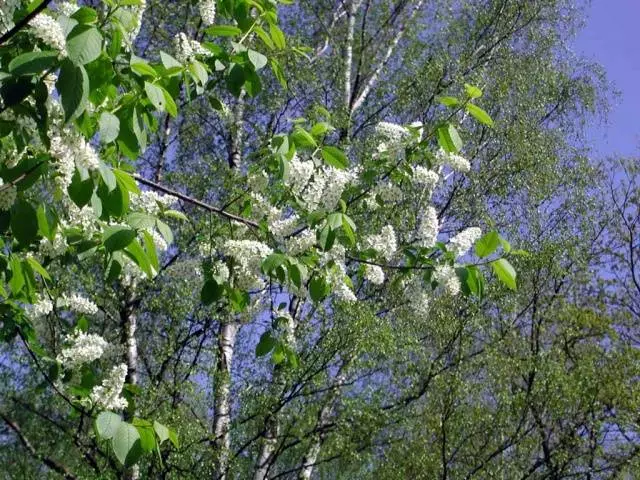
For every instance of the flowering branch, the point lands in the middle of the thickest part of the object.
(20, 25)
(194, 201)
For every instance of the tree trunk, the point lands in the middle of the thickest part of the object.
(222, 398)
(129, 323)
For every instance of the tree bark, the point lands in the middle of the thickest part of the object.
(129, 324)
(222, 397)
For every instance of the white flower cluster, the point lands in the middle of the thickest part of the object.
(71, 150)
(84, 218)
(384, 243)
(220, 270)
(257, 182)
(463, 241)
(8, 194)
(49, 31)
(67, 8)
(284, 227)
(446, 277)
(41, 308)
(248, 256)
(53, 249)
(299, 174)
(456, 162)
(7, 9)
(150, 202)
(79, 304)
(186, 49)
(207, 10)
(317, 187)
(337, 273)
(392, 132)
(83, 348)
(107, 395)
(418, 299)
(301, 242)
(388, 193)
(374, 274)
(428, 227)
(425, 178)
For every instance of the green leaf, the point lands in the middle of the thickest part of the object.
(147, 435)
(117, 237)
(176, 214)
(168, 61)
(165, 231)
(257, 59)
(473, 92)
(106, 424)
(173, 438)
(272, 262)
(127, 181)
(198, 72)
(80, 191)
(108, 177)
(448, 101)
(479, 114)
(150, 248)
(505, 272)
(126, 444)
(320, 128)
(156, 95)
(47, 222)
(24, 222)
(170, 104)
(161, 431)
(302, 138)
(17, 276)
(142, 68)
(85, 15)
(277, 70)
(449, 139)
(266, 344)
(335, 157)
(506, 246)
(33, 62)
(84, 44)
(264, 36)
(135, 251)
(223, 31)
(33, 263)
(73, 86)
(109, 127)
(318, 288)
(211, 292)
(487, 244)
(278, 36)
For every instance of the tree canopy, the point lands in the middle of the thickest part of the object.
(311, 239)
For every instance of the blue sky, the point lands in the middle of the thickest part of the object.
(611, 37)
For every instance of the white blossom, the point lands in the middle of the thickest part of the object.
(446, 277)
(456, 162)
(374, 274)
(344, 293)
(207, 10)
(107, 395)
(301, 242)
(186, 49)
(299, 174)
(463, 241)
(393, 133)
(70, 150)
(428, 227)
(257, 182)
(384, 243)
(67, 8)
(247, 256)
(42, 307)
(220, 270)
(79, 304)
(150, 202)
(284, 227)
(53, 249)
(425, 178)
(8, 194)
(49, 31)
(83, 348)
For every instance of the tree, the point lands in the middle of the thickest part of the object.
(289, 298)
